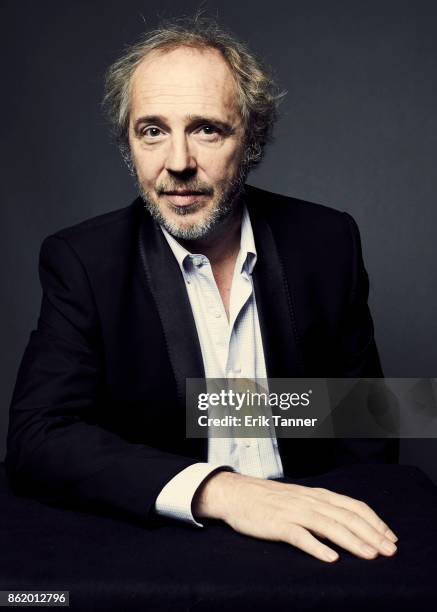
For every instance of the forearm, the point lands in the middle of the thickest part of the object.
(57, 449)
(84, 465)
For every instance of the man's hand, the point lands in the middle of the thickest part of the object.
(292, 513)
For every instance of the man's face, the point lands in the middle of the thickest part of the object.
(186, 139)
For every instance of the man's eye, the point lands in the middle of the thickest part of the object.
(209, 129)
(209, 132)
(152, 132)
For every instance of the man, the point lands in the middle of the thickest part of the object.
(201, 276)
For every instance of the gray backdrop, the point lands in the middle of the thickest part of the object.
(358, 132)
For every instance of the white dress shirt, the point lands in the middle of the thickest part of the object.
(230, 349)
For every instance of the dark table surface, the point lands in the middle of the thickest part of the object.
(111, 564)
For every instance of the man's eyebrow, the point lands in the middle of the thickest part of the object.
(192, 121)
(226, 127)
(149, 119)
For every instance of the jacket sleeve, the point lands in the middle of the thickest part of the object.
(55, 450)
(360, 355)
(360, 358)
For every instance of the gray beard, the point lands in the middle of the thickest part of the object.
(229, 195)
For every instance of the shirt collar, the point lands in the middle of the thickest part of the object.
(178, 250)
(247, 255)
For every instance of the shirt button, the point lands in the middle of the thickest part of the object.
(197, 261)
(217, 314)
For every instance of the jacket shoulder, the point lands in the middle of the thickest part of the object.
(305, 228)
(103, 233)
(100, 223)
(280, 207)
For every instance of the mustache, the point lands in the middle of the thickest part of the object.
(191, 187)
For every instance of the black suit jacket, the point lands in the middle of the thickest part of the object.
(98, 412)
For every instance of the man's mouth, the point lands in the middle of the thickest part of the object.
(183, 197)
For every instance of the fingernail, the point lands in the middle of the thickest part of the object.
(368, 550)
(331, 555)
(389, 534)
(388, 547)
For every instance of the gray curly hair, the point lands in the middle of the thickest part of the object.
(258, 95)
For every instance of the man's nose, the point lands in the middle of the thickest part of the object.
(180, 158)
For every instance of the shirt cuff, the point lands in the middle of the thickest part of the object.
(175, 499)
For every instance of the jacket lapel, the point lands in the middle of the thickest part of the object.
(282, 352)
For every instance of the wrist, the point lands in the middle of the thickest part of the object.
(214, 494)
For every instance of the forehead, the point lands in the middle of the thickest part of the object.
(181, 82)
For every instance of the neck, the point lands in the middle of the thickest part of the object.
(224, 241)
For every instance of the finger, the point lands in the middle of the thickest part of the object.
(301, 538)
(339, 534)
(355, 505)
(359, 526)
